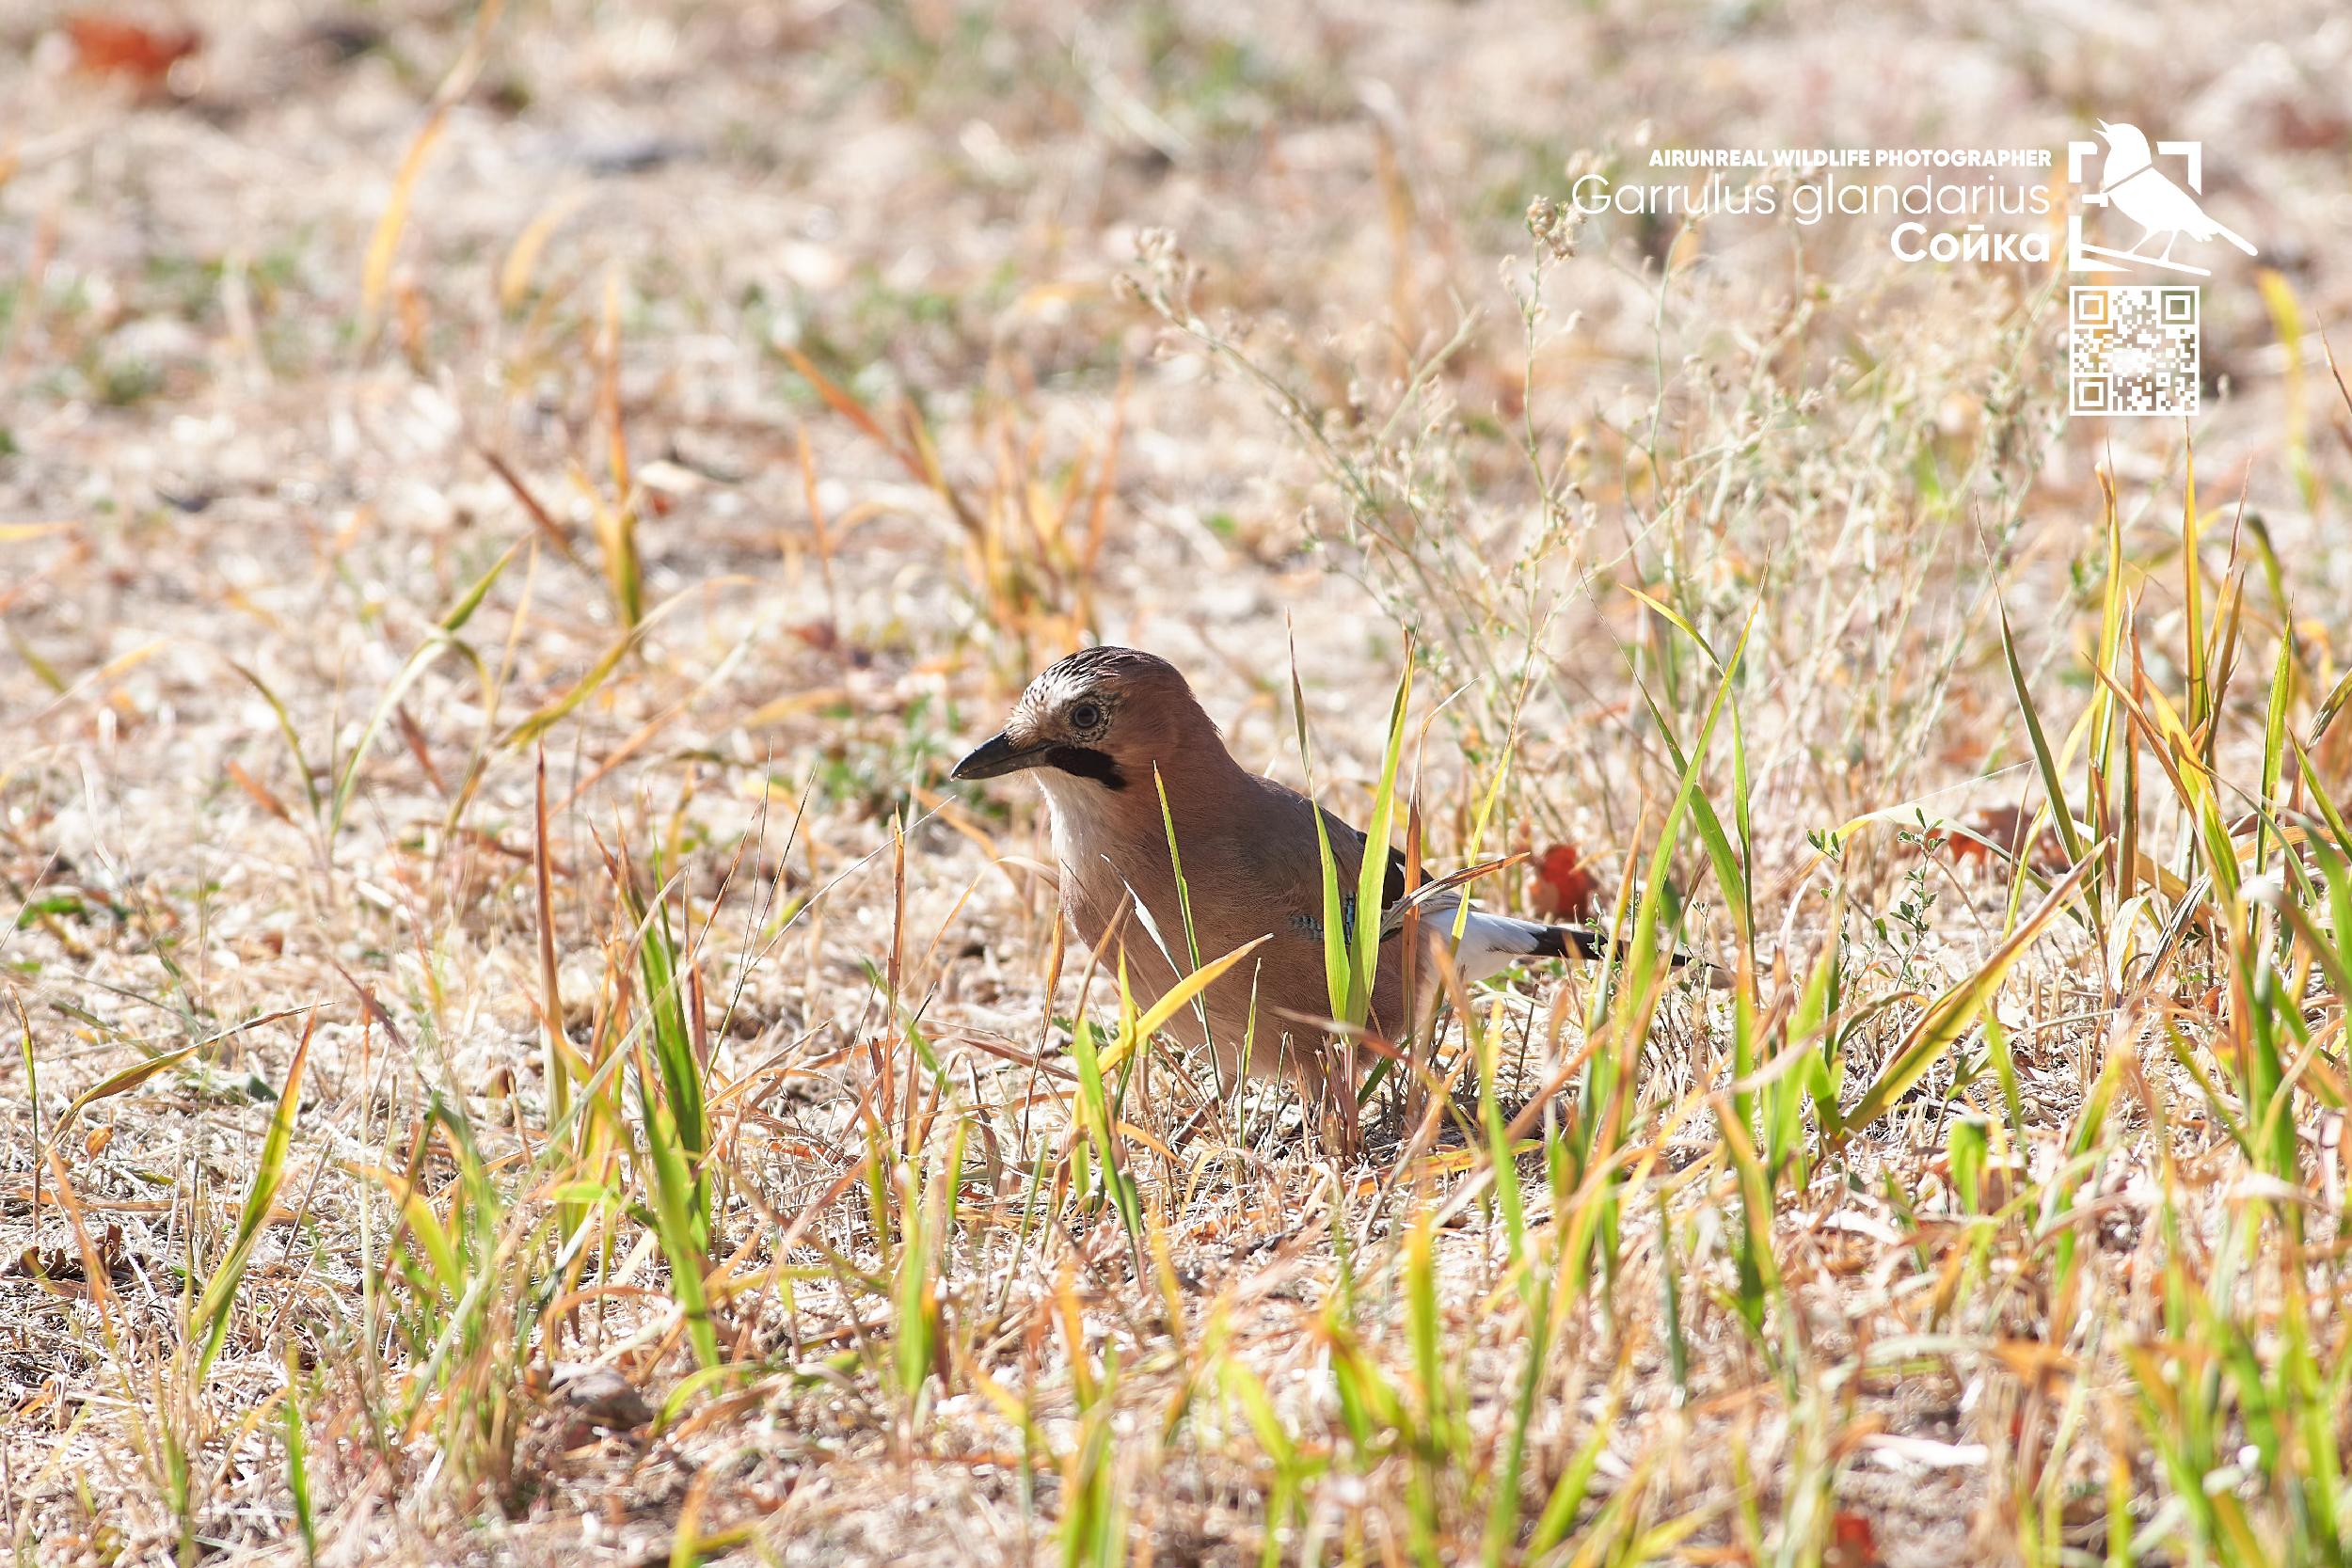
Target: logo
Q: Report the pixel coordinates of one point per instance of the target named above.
(2135, 348)
(2132, 188)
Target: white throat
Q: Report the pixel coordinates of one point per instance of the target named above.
(1081, 810)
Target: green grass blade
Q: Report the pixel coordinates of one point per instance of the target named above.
(208, 1323)
(1371, 872)
(2061, 815)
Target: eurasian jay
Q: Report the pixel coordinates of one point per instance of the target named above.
(1092, 729)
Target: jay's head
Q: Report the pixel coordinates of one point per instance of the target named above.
(1104, 715)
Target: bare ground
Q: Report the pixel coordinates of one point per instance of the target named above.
(265, 439)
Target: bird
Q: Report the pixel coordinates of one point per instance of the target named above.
(2133, 186)
(1095, 731)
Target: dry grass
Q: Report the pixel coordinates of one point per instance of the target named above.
(508, 516)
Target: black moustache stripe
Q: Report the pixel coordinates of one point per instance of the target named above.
(1085, 761)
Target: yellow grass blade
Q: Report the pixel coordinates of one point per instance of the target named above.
(1182, 991)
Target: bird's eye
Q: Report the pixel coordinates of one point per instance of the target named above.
(1086, 716)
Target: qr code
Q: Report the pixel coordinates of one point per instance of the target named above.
(2135, 351)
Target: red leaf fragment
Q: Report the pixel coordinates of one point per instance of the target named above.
(1852, 1544)
(1562, 887)
(109, 46)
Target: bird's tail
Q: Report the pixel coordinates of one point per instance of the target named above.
(1583, 941)
(1562, 941)
(2234, 238)
(1491, 942)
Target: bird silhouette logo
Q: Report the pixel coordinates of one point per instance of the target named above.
(2132, 186)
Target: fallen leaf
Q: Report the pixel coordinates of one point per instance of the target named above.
(1562, 887)
(2005, 826)
(1852, 1544)
(600, 1396)
(64, 1272)
(109, 46)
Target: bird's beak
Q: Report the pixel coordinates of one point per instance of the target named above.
(2106, 130)
(997, 757)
